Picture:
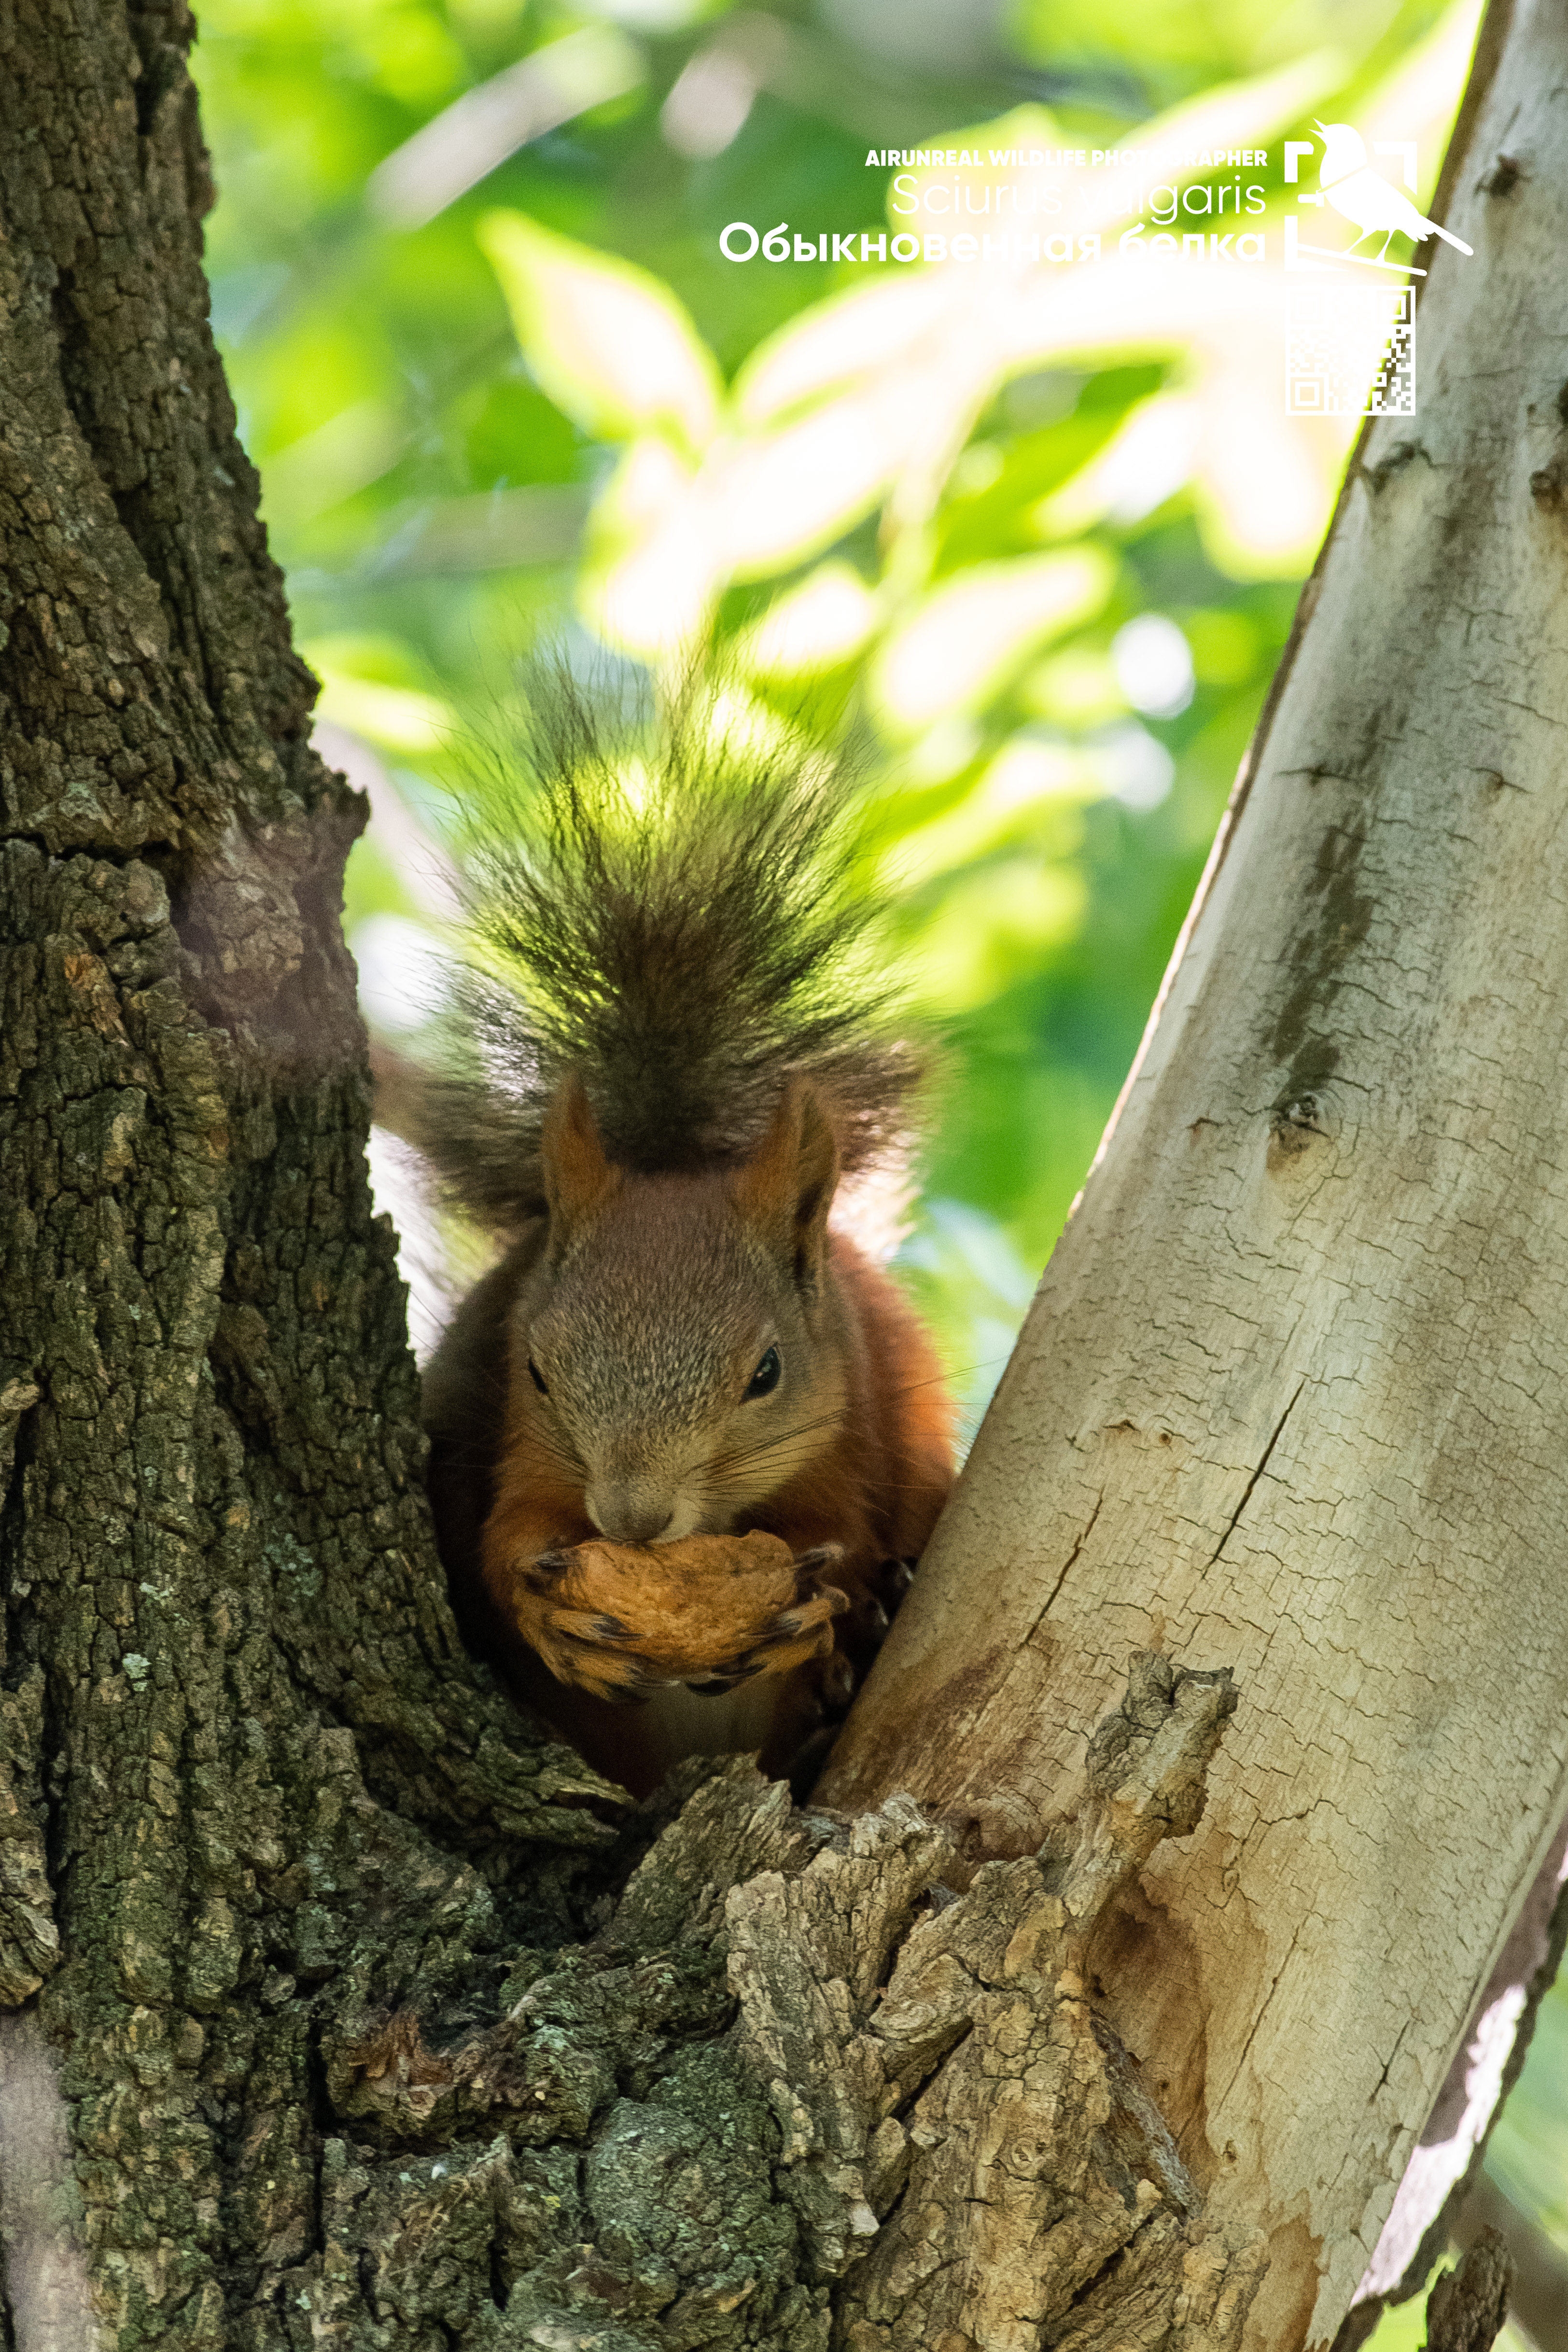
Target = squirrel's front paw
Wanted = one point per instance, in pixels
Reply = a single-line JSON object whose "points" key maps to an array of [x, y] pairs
{"points": [[563, 1612], [620, 1619], [780, 1640]]}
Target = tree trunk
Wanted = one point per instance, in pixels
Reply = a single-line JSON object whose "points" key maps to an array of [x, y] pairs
{"points": [[245, 1775], [1293, 1396], [337, 2007], [317, 2023]]}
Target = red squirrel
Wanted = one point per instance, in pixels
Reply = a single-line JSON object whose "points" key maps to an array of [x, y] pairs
{"points": [[670, 1051]]}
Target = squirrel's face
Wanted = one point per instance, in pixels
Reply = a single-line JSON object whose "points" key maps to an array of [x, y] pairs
{"points": [[679, 1348]]}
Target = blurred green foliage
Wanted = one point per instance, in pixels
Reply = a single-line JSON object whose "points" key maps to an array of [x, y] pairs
{"points": [[459, 455], [1040, 558]]}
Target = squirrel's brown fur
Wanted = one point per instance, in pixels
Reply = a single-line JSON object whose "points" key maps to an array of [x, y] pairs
{"points": [[670, 1062]]}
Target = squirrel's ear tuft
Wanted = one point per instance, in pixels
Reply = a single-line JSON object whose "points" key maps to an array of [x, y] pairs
{"points": [[577, 1176], [785, 1189]]}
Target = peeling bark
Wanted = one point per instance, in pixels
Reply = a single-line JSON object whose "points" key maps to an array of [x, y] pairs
{"points": [[1466, 2308], [1537, 2297], [797, 2091], [1443, 2179]]}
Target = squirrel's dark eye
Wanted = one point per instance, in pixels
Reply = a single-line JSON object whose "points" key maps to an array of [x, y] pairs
{"points": [[537, 1377], [766, 1376]]}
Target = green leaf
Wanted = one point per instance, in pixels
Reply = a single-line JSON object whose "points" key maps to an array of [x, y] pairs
{"points": [[613, 347], [974, 631], [824, 621]]}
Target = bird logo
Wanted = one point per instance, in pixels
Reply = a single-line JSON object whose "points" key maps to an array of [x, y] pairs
{"points": [[1366, 198]]}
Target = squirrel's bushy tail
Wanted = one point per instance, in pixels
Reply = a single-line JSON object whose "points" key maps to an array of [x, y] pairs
{"points": [[679, 920]]}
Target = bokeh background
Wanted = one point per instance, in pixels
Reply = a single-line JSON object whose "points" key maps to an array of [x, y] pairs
{"points": [[1034, 537]]}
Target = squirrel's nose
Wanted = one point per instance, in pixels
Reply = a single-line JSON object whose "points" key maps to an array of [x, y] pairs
{"points": [[629, 1514]]}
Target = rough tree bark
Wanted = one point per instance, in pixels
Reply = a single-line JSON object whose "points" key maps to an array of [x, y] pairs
{"points": [[336, 2008]]}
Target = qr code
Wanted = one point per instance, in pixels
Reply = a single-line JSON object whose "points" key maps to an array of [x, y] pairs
{"points": [[1350, 351]]}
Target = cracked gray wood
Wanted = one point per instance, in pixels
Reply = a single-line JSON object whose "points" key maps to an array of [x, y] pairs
{"points": [[1293, 1395]]}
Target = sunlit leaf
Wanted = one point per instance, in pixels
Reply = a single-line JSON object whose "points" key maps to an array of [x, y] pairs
{"points": [[653, 568], [658, 15], [1135, 305], [1266, 481], [608, 342], [861, 332], [397, 717], [1035, 786], [556, 83], [350, 449], [1418, 98], [974, 630], [979, 522], [1151, 454], [1236, 114], [1240, 114], [780, 498], [369, 686], [989, 923], [822, 623], [1076, 687]]}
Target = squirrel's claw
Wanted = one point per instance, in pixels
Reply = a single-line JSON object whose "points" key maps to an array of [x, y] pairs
{"points": [[791, 1625], [800, 1633], [871, 1612], [594, 1652], [543, 1573], [896, 1576]]}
